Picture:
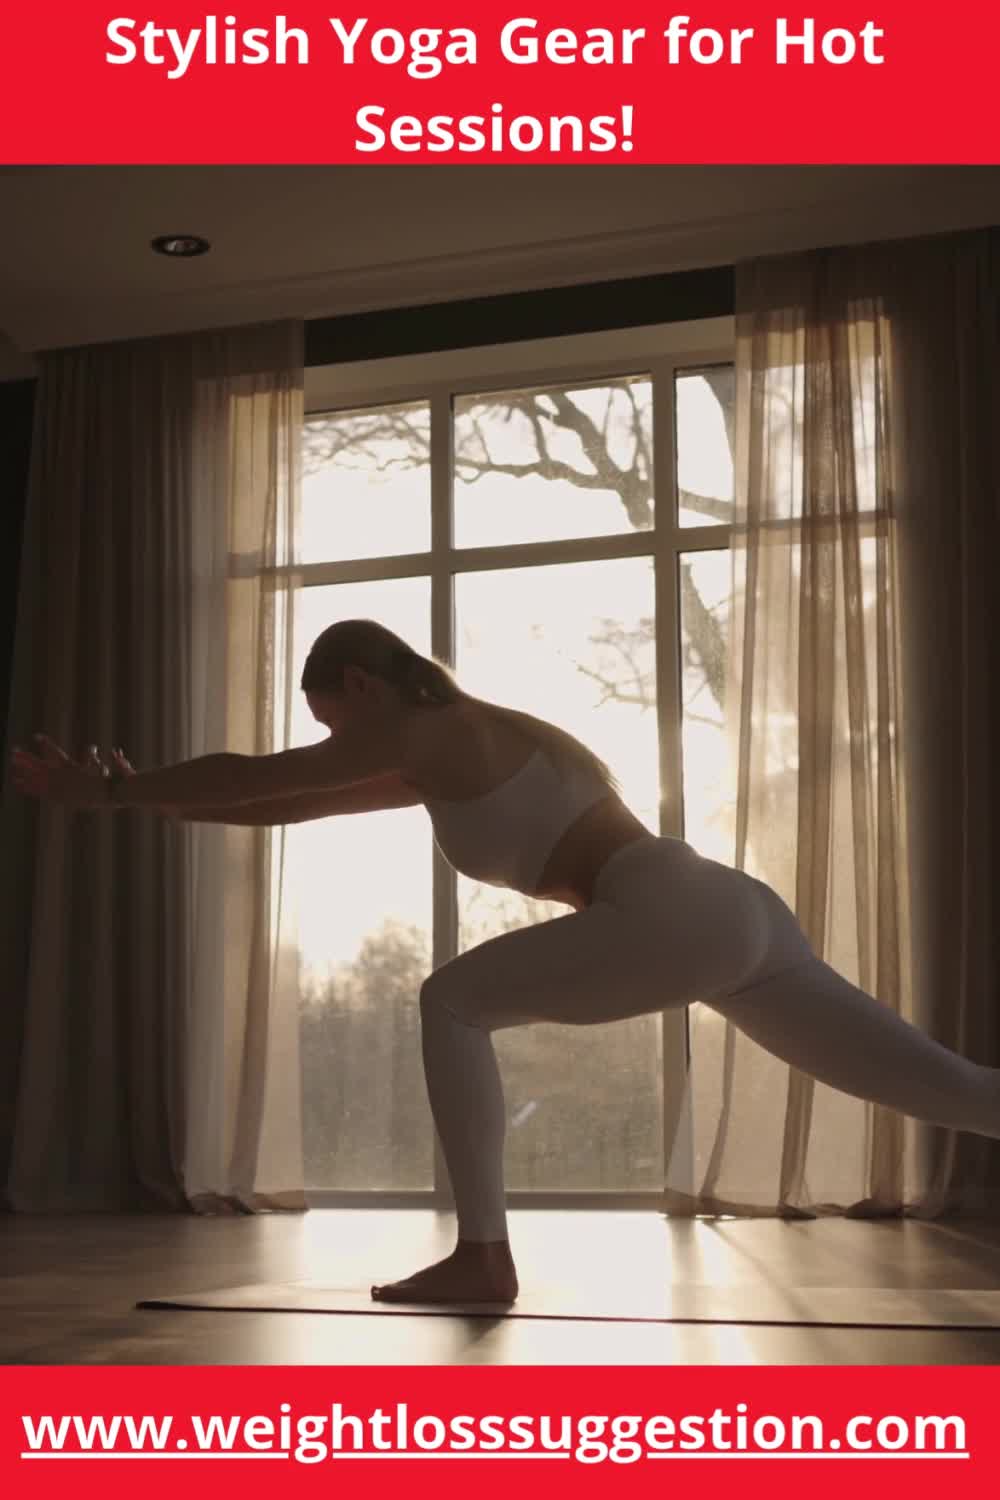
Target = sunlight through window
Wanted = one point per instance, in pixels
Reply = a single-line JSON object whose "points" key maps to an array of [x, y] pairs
{"points": [[554, 612]]}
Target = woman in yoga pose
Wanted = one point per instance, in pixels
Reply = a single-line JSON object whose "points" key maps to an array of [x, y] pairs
{"points": [[516, 802]]}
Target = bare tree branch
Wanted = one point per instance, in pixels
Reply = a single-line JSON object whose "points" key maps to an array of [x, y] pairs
{"points": [[397, 438]]}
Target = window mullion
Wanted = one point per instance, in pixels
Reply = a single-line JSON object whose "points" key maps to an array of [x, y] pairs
{"points": [[667, 544], [674, 1023], [445, 881]]}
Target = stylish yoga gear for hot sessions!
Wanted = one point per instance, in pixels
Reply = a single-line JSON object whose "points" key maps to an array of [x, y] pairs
{"points": [[506, 836], [666, 927]]}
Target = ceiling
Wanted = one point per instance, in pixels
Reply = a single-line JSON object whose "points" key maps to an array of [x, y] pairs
{"points": [[76, 267]]}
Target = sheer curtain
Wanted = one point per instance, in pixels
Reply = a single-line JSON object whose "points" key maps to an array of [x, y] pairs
{"points": [[152, 964], [862, 707]]}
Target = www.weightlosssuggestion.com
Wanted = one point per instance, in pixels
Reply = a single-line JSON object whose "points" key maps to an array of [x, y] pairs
{"points": [[312, 1438]]}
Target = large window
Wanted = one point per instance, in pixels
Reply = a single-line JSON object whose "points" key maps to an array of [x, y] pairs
{"points": [[551, 519]]}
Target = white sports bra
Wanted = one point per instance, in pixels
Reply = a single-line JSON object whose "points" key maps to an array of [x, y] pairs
{"points": [[505, 837]]}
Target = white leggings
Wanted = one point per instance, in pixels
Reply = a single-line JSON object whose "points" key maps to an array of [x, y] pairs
{"points": [[668, 927]]}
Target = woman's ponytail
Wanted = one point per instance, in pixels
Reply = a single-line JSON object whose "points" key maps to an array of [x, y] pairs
{"points": [[422, 680], [364, 643]]}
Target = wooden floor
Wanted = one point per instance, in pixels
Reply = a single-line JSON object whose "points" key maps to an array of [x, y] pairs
{"points": [[68, 1288]]}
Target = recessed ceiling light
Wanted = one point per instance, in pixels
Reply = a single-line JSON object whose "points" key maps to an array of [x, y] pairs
{"points": [[180, 244]]}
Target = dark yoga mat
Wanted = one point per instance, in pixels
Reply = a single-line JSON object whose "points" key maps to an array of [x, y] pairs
{"points": [[816, 1307]]}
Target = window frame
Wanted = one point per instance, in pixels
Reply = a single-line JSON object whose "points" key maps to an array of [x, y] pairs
{"points": [[659, 351]]}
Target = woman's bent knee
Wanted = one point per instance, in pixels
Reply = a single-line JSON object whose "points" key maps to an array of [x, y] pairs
{"points": [[440, 993]]}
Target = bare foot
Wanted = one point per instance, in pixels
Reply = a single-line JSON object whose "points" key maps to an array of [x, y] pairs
{"points": [[475, 1271]]}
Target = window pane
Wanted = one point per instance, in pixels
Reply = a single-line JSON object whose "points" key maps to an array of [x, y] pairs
{"points": [[575, 644], [709, 808], [366, 488], [705, 420], [362, 889], [542, 465]]}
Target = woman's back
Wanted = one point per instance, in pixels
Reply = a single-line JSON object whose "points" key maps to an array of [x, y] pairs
{"points": [[463, 749], [505, 791]]}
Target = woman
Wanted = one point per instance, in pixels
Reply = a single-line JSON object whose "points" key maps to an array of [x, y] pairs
{"points": [[517, 802]]}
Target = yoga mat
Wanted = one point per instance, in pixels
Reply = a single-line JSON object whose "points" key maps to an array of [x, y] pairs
{"points": [[814, 1307]]}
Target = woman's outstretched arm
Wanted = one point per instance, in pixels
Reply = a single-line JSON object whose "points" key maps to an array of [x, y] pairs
{"points": [[227, 779], [377, 795], [224, 780]]}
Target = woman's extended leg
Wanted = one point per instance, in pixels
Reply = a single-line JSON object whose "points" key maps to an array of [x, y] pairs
{"points": [[815, 1019]]}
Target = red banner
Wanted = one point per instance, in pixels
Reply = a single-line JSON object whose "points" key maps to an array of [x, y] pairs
{"points": [[736, 81], [573, 1429]]}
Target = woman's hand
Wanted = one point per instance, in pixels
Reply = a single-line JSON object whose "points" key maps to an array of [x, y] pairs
{"points": [[122, 763], [52, 776]]}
